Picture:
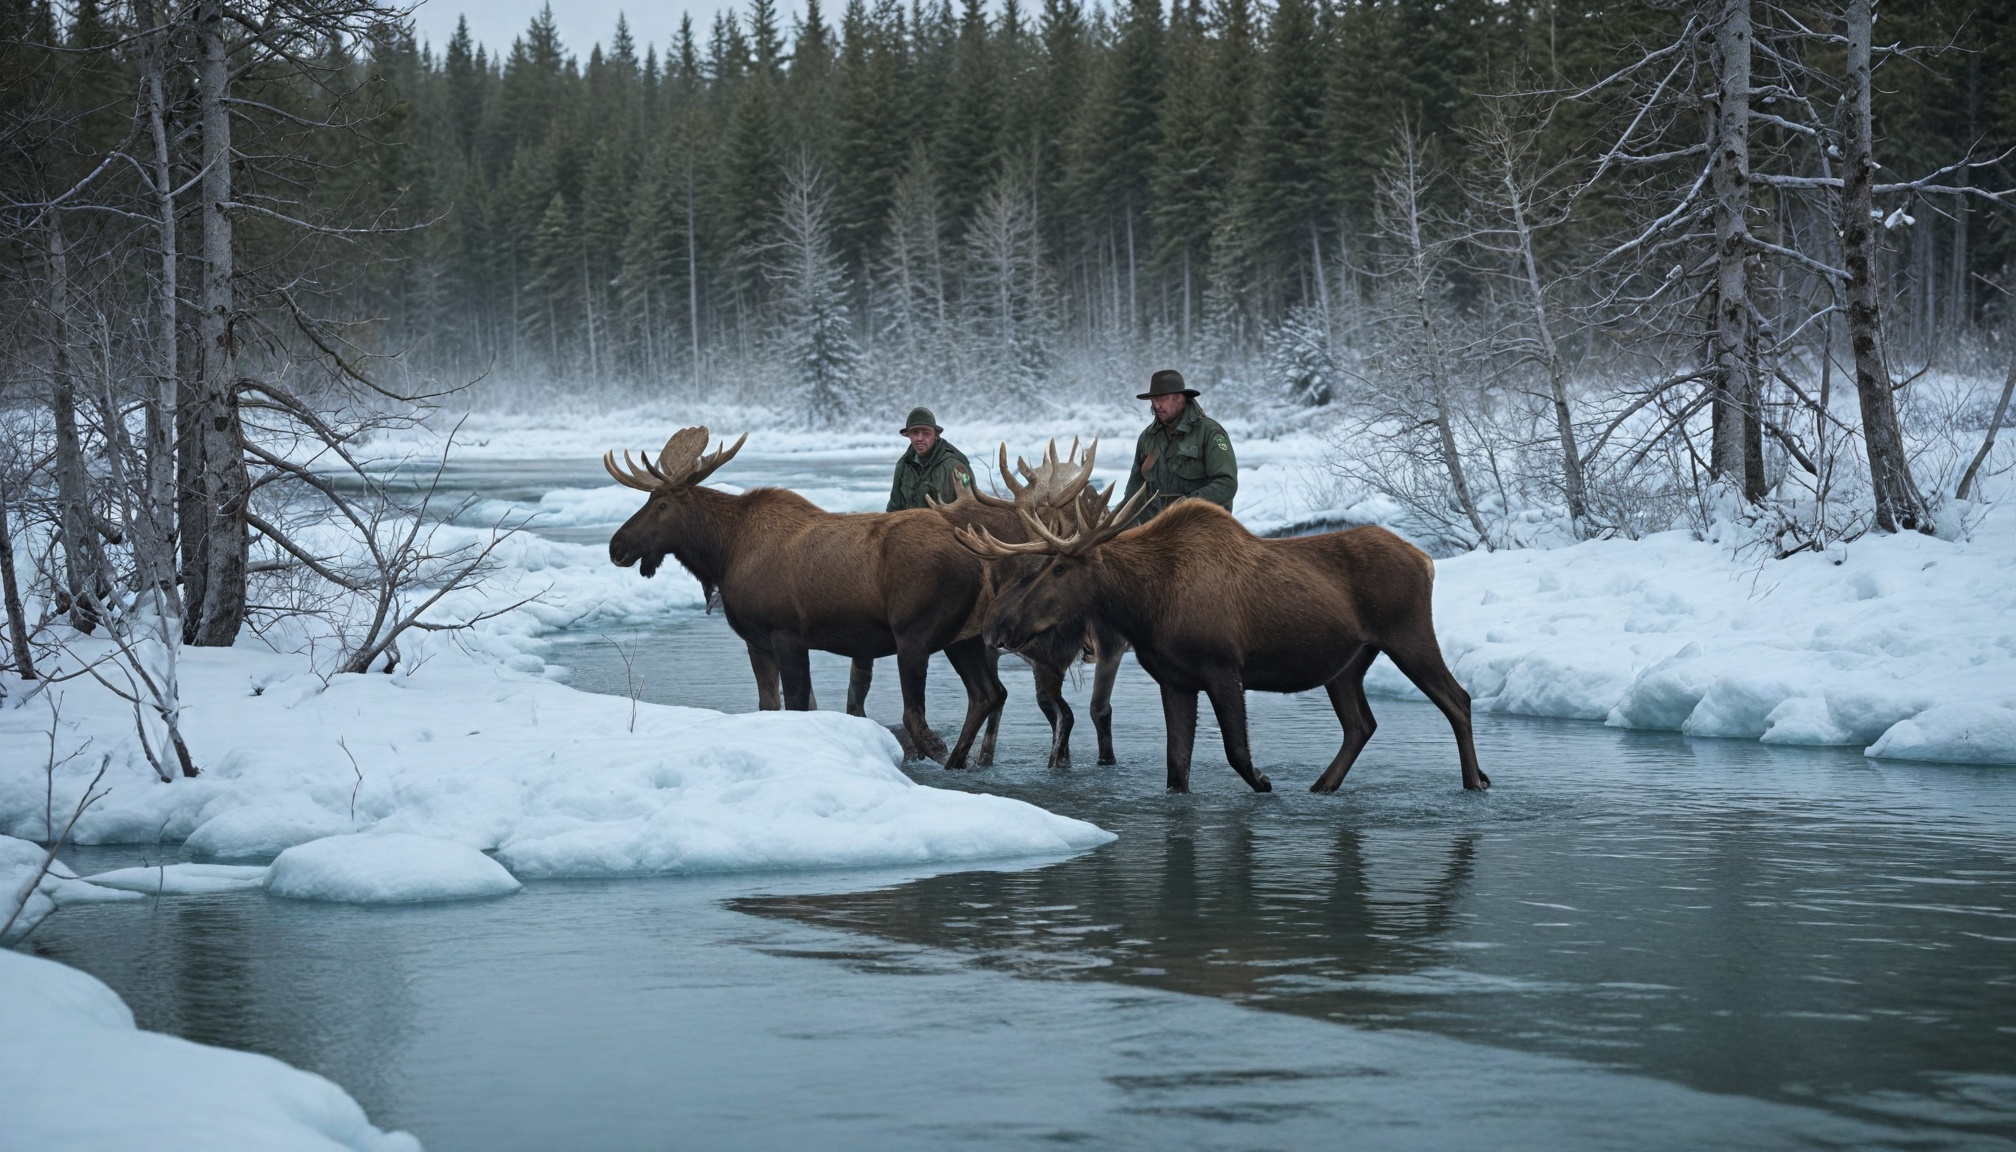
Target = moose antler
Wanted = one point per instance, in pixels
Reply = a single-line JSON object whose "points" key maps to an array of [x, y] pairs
{"points": [[680, 464], [1095, 526]]}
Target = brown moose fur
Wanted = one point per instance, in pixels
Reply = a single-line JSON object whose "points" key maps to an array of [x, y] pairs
{"points": [[793, 577], [1210, 607], [1052, 651]]}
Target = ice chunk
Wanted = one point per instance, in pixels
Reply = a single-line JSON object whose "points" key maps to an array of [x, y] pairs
{"points": [[1968, 733], [184, 879], [387, 868], [77, 1076]]}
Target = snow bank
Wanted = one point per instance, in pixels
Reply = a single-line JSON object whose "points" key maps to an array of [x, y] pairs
{"points": [[20, 861], [550, 780], [79, 1076], [392, 868], [1903, 644]]}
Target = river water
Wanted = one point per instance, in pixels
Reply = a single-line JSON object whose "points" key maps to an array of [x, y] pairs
{"points": [[1633, 940]]}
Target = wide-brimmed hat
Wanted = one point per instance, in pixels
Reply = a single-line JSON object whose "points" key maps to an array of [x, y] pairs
{"points": [[921, 416], [1167, 382]]}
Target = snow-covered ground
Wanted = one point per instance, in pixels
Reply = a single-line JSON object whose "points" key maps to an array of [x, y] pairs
{"points": [[552, 781], [80, 1077]]}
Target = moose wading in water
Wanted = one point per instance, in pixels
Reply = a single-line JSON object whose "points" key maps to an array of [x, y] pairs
{"points": [[793, 577], [1051, 489], [1211, 608]]}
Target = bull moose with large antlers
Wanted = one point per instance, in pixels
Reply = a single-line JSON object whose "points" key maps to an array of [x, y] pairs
{"points": [[793, 577], [1049, 490], [1210, 607]]}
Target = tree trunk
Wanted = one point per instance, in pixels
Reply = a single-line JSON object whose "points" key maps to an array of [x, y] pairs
{"points": [[1898, 503], [225, 484], [83, 560], [1735, 335], [10, 588], [1988, 441], [154, 535], [1550, 352]]}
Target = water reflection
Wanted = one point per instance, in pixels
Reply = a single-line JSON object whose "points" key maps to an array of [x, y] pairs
{"points": [[299, 982]]}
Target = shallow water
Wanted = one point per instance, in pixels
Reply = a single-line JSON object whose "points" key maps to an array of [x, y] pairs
{"points": [[1634, 940]]}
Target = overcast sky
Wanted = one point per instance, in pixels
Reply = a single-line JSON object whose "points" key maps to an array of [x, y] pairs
{"points": [[583, 23]]}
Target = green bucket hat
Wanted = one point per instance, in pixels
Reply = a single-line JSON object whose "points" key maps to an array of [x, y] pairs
{"points": [[921, 416], [1167, 382]]}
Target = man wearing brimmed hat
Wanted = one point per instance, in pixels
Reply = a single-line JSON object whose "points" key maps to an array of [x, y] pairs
{"points": [[929, 466], [1183, 452]]}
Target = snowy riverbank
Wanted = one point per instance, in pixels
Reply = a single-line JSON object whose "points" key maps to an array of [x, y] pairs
{"points": [[552, 781], [80, 1077]]}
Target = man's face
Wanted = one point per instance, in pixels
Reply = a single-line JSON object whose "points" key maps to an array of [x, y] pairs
{"points": [[922, 439], [1168, 408]]}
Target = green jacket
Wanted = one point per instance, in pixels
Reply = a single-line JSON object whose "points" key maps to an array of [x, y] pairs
{"points": [[1192, 459], [933, 475]]}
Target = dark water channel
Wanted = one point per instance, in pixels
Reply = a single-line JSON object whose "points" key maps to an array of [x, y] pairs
{"points": [[1635, 940]]}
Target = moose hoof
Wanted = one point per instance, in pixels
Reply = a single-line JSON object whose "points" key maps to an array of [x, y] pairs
{"points": [[1483, 782], [1262, 784], [932, 747], [902, 735]]}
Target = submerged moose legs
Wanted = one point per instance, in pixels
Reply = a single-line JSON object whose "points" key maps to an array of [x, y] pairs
{"points": [[1179, 717], [768, 699], [1228, 702], [1111, 647], [1347, 696], [974, 662], [1050, 698], [794, 668], [1421, 661], [859, 677]]}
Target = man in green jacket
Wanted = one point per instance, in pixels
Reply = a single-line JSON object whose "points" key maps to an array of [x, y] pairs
{"points": [[1183, 452], [929, 466]]}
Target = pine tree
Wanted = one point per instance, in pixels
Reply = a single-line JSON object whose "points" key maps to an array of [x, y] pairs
{"points": [[814, 332]]}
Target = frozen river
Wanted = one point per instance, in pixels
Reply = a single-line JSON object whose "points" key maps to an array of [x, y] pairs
{"points": [[1634, 940]]}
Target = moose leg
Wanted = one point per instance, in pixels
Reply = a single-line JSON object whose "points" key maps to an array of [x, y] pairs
{"points": [[1179, 717], [765, 667], [1228, 700], [911, 665], [984, 693], [859, 677], [993, 718], [794, 668], [1420, 660], [1111, 649], [1050, 698], [1347, 696]]}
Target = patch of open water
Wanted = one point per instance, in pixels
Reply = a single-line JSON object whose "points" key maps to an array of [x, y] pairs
{"points": [[1634, 940]]}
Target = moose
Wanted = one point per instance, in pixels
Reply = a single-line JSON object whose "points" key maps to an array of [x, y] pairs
{"points": [[792, 577], [1210, 607], [1051, 487]]}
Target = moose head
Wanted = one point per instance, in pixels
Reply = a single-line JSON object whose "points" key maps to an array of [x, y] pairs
{"points": [[667, 522], [1045, 583]]}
